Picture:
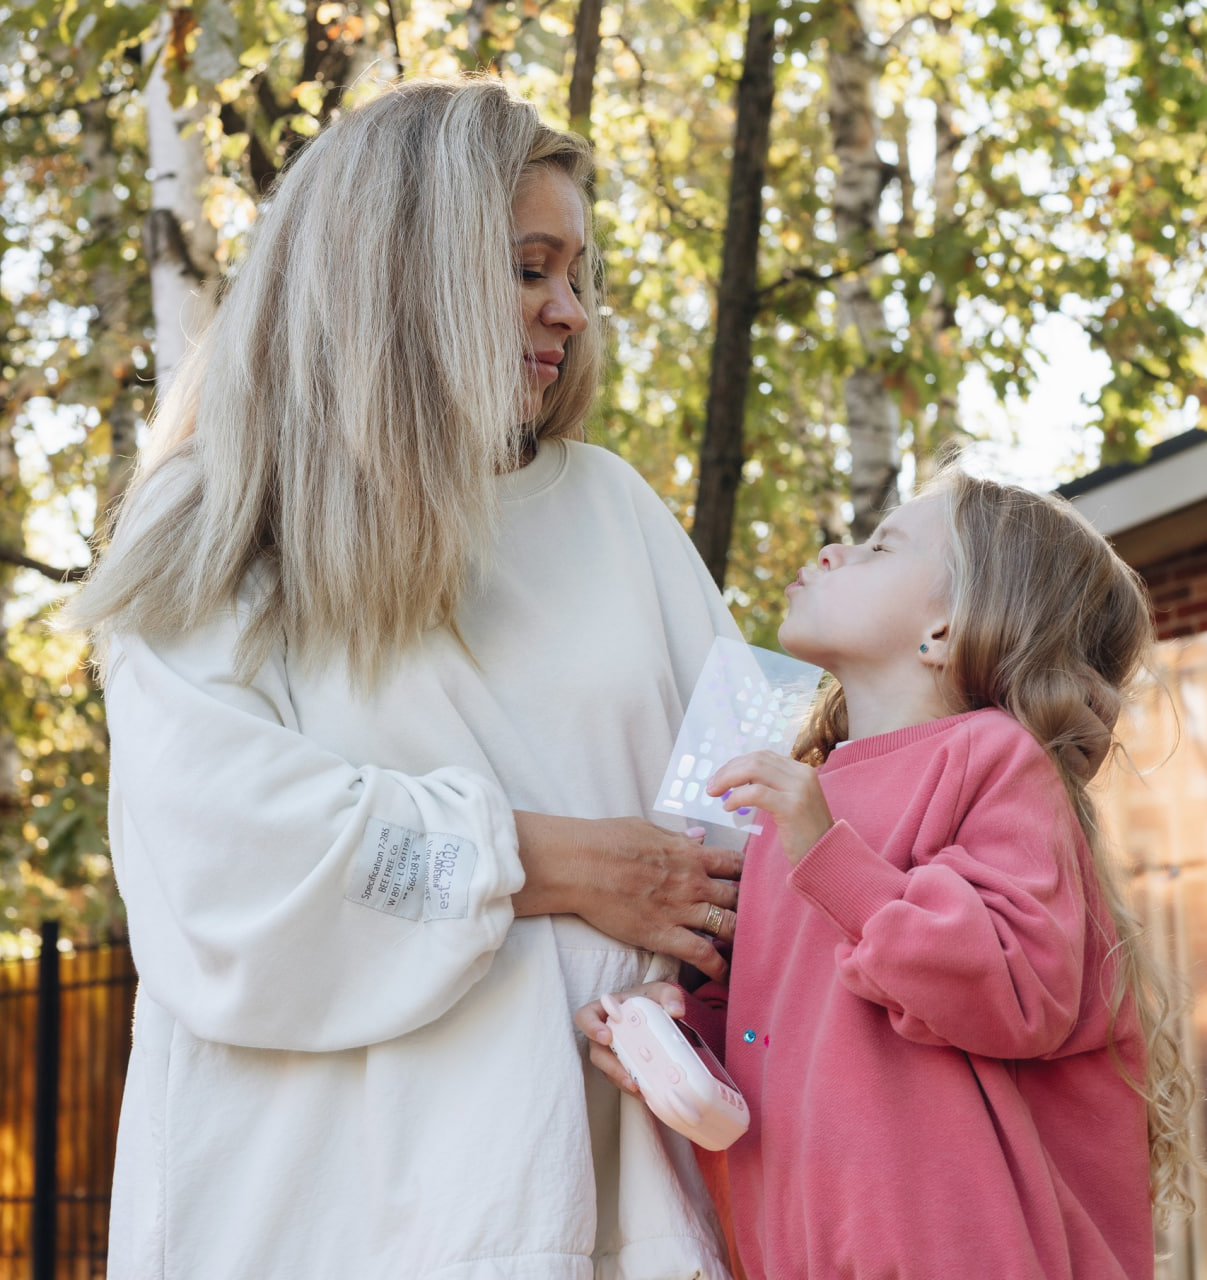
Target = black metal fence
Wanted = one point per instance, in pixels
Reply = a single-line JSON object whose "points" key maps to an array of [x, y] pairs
{"points": [[64, 1044]]}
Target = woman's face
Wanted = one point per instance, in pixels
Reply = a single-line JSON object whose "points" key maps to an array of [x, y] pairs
{"points": [[550, 251]]}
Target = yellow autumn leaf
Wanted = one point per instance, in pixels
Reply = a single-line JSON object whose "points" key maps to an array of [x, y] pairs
{"points": [[309, 96]]}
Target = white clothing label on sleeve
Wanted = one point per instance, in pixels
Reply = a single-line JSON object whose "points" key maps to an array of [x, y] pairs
{"points": [[412, 874], [450, 867]]}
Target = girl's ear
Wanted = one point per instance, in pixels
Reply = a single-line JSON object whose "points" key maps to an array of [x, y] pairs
{"points": [[933, 649]]}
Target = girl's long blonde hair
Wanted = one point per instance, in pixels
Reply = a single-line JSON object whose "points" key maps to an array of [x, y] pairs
{"points": [[1049, 624], [342, 422]]}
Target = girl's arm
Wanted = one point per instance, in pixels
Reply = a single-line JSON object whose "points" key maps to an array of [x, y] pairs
{"points": [[979, 943], [786, 789]]}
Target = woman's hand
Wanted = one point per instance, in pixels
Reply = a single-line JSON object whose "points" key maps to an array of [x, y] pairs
{"points": [[785, 788], [592, 1021], [632, 880]]}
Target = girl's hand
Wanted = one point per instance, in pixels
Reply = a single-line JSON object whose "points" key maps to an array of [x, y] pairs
{"points": [[592, 1021], [786, 789], [632, 880]]}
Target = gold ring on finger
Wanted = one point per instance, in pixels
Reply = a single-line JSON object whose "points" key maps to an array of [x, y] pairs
{"points": [[714, 920]]}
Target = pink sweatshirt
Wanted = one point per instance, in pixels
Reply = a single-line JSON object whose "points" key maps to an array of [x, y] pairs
{"points": [[917, 1016]]}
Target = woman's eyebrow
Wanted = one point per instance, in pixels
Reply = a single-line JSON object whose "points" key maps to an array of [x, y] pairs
{"points": [[554, 242]]}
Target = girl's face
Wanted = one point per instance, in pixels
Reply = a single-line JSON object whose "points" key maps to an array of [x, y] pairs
{"points": [[868, 608], [549, 253]]}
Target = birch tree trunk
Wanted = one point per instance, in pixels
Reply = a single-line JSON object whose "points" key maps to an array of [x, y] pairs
{"points": [[873, 420], [899, 125], [111, 327], [179, 241], [722, 454], [940, 318]]}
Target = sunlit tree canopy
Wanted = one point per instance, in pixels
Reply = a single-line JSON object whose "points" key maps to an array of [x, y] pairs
{"points": [[944, 187]]}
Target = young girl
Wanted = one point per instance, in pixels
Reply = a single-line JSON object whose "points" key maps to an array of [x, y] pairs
{"points": [[939, 1012]]}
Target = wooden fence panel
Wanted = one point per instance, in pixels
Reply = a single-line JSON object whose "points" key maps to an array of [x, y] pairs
{"points": [[18, 1082], [95, 1005]]}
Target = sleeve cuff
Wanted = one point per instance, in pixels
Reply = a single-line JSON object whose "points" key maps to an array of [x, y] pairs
{"points": [[847, 879]]}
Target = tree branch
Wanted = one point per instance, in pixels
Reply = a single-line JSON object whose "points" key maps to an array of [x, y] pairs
{"points": [[259, 163], [1153, 375], [1097, 341], [57, 108], [266, 100], [898, 33], [166, 242], [825, 277], [662, 188], [392, 11], [22, 561]]}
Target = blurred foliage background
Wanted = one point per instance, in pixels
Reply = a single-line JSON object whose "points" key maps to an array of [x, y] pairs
{"points": [[835, 233]]}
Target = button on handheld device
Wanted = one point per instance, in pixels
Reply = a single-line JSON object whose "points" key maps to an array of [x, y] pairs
{"points": [[683, 1084]]}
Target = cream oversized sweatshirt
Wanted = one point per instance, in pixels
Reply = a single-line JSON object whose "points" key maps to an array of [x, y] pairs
{"points": [[350, 1061]]}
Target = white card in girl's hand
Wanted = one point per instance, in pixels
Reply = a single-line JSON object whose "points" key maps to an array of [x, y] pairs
{"points": [[746, 699]]}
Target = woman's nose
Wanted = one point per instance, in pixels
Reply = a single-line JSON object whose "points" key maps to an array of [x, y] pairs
{"points": [[563, 310]]}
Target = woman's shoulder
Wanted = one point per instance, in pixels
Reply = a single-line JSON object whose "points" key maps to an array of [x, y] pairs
{"points": [[598, 466], [562, 466], [582, 455]]}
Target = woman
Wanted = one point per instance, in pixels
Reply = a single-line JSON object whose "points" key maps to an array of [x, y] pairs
{"points": [[384, 675]]}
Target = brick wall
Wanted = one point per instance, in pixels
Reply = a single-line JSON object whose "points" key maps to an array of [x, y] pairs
{"points": [[1178, 587], [1153, 807]]}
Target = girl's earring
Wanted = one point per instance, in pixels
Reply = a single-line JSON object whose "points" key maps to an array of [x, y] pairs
{"points": [[923, 648]]}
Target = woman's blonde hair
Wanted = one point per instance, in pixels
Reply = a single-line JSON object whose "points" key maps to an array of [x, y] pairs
{"points": [[342, 422], [1050, 625]]}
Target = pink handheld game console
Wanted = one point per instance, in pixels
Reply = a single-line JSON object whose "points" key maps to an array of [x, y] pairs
{"points": [[683, 1084]]}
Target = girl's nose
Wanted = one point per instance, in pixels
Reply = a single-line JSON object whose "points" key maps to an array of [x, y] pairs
{"points": [[830, 556]]}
